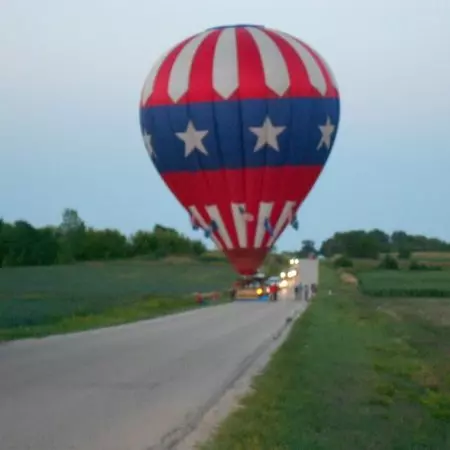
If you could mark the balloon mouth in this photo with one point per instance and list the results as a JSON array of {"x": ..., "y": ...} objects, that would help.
[
  {"x": 221, "y": 27},
  {"x": 246, "y": 261}
]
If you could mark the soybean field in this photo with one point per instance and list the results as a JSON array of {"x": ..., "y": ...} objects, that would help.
[
  {"x": 403, "y": 283},
  {"x": 45, "y": 300}
]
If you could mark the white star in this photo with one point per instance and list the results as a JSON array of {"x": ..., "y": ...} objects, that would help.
[
  {"x": 192, "y": 139},
  {"x": 148, "y": 144},
  {"x": 327, "y": 130},
  {"x": 267, "y": 135}
]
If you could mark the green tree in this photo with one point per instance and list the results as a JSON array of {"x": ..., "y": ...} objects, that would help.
[
  {"x": 163, "y": 241},
  {"x": 404, "y": 253},
  {"x": 20, "y": 240},
  {"x": 104, "y": 244},
  {"x": 308, "y": 248},
  {"x": 72, "y": 232},
  {"x": 382, "y": 240},
  {"x": 3, "y": 247},
  {"x": 388, "y": 263},
  {"x": 46, "y": 247},
  {"x": 21, "y": 244},
  {"x": 355, "y": 244}
]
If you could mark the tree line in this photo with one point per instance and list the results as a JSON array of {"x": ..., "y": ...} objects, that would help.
[
  {"x": 22, "y": 244},
  {"x": 370, "y": 244}
]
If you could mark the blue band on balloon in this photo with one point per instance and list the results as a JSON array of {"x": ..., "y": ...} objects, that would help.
[{"x": 228, "y": 140}]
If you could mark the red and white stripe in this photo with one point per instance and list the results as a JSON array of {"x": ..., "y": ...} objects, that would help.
[
  {"x": 240, "y": 232},
  {"x": 238, "y": 63}
]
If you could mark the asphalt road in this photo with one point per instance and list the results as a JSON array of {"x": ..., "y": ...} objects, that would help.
[{"x": 133, "y": 387}]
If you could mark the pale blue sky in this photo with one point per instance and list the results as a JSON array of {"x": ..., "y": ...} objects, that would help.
[{"x": 70, "y": 80}]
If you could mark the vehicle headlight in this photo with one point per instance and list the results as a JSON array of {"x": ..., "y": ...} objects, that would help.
[{"x": 259, "y": 291}]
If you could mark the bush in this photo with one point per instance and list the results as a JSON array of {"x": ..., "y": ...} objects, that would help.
[
  {"x": 211, "y": 257},
  {"x": 414, "y": 265},
  {"x": 404, "y": 253},
  {"x": 343, "y": 261},
  {"x": 388, "y": 263}
]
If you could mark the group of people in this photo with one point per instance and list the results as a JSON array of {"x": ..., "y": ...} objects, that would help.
[{"x": 304, "y": 291}]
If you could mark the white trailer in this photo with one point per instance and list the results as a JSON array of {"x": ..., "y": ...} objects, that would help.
[{"x": 308, "y": 271}]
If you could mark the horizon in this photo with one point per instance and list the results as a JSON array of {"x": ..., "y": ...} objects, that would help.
[{"x": 69, "y": 122}]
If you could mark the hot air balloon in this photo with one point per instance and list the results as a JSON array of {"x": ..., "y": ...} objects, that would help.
[{"x": 239, "y": 121}]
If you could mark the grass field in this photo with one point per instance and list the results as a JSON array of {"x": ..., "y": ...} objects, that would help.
[
  {"x": 356, "y": 372},
  {"x": 438, "y": 257},
  {"x": 44, "y": 300},
  {"x": 395, "y": 283}
]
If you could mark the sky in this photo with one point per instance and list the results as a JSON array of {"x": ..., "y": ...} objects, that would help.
[{"x": 72, "y": 72}]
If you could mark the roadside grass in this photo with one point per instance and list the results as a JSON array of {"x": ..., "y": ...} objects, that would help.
[
  {"x": 37, "y": 301},
  {"x": 356, "y": 372}
]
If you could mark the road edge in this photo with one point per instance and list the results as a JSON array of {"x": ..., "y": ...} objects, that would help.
[{"x": 199, "y": 428}]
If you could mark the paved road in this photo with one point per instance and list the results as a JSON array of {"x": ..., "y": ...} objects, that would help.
[{"x": 132, "y": 387}]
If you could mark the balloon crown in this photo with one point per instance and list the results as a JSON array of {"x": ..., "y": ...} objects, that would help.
[{"x": 238, "y": 25}]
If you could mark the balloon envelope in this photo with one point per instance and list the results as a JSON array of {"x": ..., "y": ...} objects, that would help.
[{"x": 239, "y": 121}]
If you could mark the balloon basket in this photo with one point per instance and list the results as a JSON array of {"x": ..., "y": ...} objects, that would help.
[{"x": 264, "y": 298}]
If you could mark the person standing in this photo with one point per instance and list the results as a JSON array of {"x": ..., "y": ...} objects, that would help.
[
  {"x": 234, "y": 288},
  {"x": 274, "y": 292}
]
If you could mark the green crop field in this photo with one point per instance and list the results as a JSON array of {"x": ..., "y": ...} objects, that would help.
[
  {"x": 44, "y": 300},
  {"x": 403, "y": 283}
]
